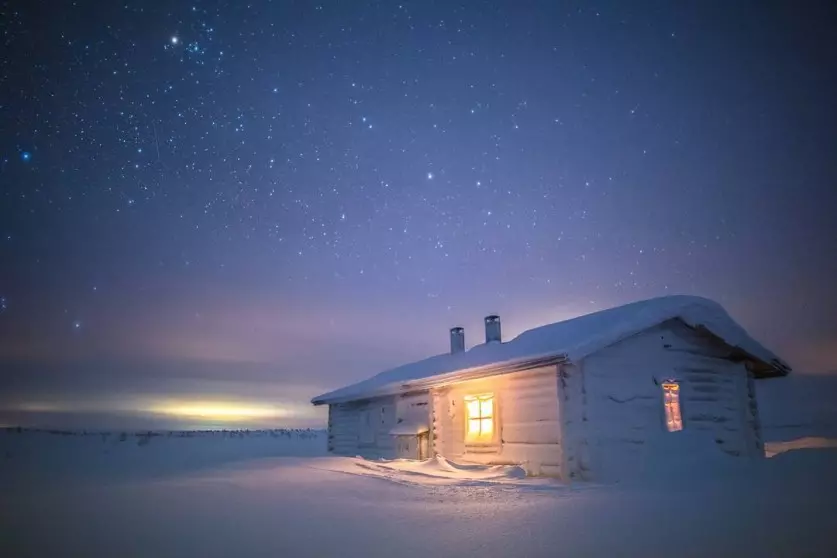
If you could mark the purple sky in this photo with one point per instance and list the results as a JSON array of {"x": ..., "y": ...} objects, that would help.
[{"x": 246, "y": 204}]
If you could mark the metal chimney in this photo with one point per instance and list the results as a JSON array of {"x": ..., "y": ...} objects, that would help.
[
  {"x": 492, "y": 329},
  {"x": 457, "y": 339}
]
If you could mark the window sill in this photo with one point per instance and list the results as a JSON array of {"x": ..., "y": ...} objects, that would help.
[{"x": 482, "y": 447}]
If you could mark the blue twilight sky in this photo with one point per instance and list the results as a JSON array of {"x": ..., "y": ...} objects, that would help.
[{"x": 212, "y": 211}]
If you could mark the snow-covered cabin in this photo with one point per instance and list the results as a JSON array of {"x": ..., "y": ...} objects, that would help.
[{"x": 579, "y": 399}]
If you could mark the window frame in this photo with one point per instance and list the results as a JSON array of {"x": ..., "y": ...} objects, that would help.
[{"x": 481, "y": 440}]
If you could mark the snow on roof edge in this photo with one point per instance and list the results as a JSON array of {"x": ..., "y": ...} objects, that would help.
[
  {"x": 348, "y": 393},
  {"x": 573, "y": 339}
]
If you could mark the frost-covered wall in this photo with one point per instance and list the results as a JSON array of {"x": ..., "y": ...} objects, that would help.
[
  {"x": 621, "y": 423},
  {"x": 527, "y": 420},
  {"x": 342, "y": 429},
  {"x": 362, "y": 428},
  {"x": 572, "y": 407}
]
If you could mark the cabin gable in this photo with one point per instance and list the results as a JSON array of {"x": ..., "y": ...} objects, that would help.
[{"x": 624, "y": 418}]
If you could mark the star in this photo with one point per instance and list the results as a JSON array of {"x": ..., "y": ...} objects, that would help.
[{"x": 26, "y": 156}]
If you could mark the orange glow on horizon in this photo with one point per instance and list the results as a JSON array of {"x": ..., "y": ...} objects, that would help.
[
  {"x": 220, "y": 410},
  {"x": 142, "y": 411}
]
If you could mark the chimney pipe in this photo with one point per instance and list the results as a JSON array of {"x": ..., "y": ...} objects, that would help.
[
  {"x": 492, "y": 329},
  {"x": 457, "y": 340}
]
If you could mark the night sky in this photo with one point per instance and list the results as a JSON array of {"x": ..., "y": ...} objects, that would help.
[{"x": 236, "y": 206}]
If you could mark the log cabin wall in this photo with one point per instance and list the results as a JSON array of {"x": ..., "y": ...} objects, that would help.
[
  {"x": 624, "y": 412},
  {"x": 527, "y": 422}
]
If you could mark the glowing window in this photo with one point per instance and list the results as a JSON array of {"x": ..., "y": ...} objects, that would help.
[
  {"x": 480, "y": 415},
  {"x": 671, "y": 402}
]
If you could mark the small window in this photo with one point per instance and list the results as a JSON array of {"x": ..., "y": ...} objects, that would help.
[
  {"x": 671, "y": 402},
  {"x": 480, "y": 416}
]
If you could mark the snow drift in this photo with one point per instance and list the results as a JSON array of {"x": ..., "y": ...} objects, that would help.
[{"x": 436, "y": 470}]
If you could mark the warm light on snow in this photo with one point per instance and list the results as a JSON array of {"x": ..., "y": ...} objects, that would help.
[
  {"x": 434, "y": 471},
  {"x": 480, "y": 410},
  {"x": 772, "y": 449}
]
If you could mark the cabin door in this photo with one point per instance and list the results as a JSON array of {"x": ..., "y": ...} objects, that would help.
[
  {"x": 423, "y": 446},
  {"x": 407, "y": 447}
]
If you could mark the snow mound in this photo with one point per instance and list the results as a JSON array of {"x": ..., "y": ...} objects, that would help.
[
  {"x": 439, "y": 466},
  {"x": 671, "y": 459},
  {"x": 436, "y": 470},
  {"x": 772, "y": 449}
]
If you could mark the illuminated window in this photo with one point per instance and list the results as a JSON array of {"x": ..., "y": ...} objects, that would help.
[
  {"x": 480, "y": 413},
  {"x": 671, "y": 401}
]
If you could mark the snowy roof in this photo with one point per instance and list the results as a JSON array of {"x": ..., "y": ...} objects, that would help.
[{"x": 570, "y": 340}]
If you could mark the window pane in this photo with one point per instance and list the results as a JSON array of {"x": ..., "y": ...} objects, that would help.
[
  {"x": 487, "y": 426},
  {"x": 474, "y": 427},
  {"x": 473, "y": 408},
  {"x": 486, "y": 407}
]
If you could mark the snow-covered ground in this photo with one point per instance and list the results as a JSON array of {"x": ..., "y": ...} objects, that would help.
[
  {"x": 60, "y": 455},
  {"x": 275, "y": 493}
]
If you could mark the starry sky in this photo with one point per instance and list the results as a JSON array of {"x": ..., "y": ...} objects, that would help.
[{"x": 211, "y": 211}]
